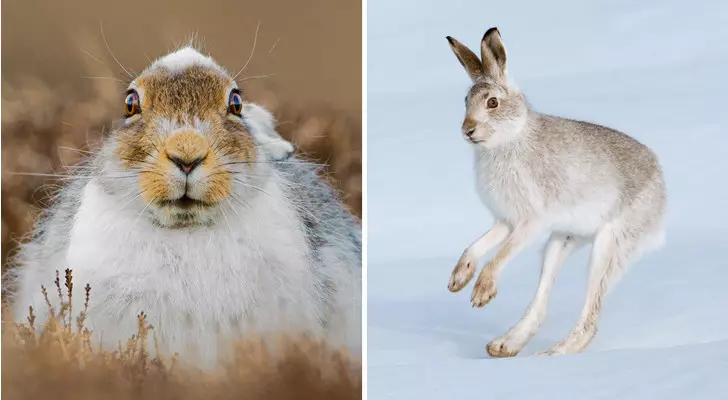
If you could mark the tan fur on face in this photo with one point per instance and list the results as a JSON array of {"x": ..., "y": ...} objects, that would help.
[
  {"x": 187, "y": 147},
  {"x": 197, "y": 96},
  {"x": 198, "y": 91},
  {"x": 154, "y": 183},
  {"x": 469, "y": 123},
  {"x": 219, "y": 184}
]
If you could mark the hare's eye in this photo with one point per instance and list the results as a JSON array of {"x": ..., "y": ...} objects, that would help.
[
  {"x": 235, "y": 104},
  {"x": 492, "y": 102},
  {"x": 131, "y": 104}
]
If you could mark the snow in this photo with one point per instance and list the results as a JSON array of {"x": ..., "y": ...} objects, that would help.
[{"x": 654, "y": 69}]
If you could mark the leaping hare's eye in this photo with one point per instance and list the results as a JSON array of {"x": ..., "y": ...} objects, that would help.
[
  {"x": 131, "y": 104},
  {"x": 492, "y": 102},
  {"x": 235, "y": 103}
]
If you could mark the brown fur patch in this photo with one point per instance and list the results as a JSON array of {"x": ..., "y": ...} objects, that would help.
[
  {"x": 501, "y": 256},
  {"x": 154, "y": 184},
  {"x": 219, "y": 183},
  {"x": 493, "y": 54},
  {"x": 467, "y": 59},
  {"x": 485, "y": 288},
  {"x": 197, "y": 93},
  {"x": 484, "y": 291},
  {"x": 469, "y": 123},
  {"x": 500, "y": 351},
  {"x": 133, "y": 151},
  {"x": 187, "y": 147},
  {"x": 461, "y": 275}
]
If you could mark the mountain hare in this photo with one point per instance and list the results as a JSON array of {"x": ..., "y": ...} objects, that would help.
[
  {"x": 188, "y": 214},
  {"x": 579, "y": 181}
]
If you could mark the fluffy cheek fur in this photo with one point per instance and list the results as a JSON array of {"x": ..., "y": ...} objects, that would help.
[
  {"x": 494, "y": 127},
  {"x": 226, "y": 157}
]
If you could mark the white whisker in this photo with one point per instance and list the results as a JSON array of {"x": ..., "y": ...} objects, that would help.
[
  {"x": 75, "y": 150},
  {"x": 222, "y": 210},
  {"x": 256, "y": 77},
  {"x": 105, "y": 78},
  {"x": 92, "y": 56},
  {"x": 103, "y": 36},
  {"x": 274, "y": 45},
  {"x": 255, "y": 40}
]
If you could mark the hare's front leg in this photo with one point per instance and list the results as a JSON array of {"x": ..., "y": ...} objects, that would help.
[
  {"x": 465, "y": 269},
  {"x": 486, "y": 286}
]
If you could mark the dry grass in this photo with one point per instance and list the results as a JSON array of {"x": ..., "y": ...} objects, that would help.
[{"x": 60, "y": 361}]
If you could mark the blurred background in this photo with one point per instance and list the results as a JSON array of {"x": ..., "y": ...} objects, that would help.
[{"x": 62, "y": 88}]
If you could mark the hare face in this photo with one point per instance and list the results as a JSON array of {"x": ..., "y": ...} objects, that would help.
[
  {"x": 495, "y": 112},
  {"x": 185, "y": 142}
]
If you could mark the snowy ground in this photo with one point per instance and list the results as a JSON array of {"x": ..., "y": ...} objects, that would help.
[{"x": 653, "y": 69}]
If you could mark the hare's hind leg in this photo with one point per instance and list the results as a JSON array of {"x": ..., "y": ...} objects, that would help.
[
  {"x": 465, "y": 269},
  {"x": 557, "y": 250},
  {"x": 609, "y": 257}
]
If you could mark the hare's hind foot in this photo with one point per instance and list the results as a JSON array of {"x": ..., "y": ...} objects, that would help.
[
  {"x": 573, "y": 344},
  {"x": 503, "y": 347}
]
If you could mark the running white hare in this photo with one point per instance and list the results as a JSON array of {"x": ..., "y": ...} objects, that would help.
[
  {"x": 189, "y": 214},
  {"x": 538, "y": 173}
]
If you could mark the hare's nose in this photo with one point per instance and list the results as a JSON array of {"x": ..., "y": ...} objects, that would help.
[
  {"x": 469, "y": 132},
  {"x": 187, "y": 166},
  {"x": 187, "y": 150}
]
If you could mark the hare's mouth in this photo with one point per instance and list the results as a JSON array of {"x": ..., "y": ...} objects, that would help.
[{"x": 185, "y": 202}]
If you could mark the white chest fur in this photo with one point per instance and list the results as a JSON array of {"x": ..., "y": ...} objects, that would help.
[
  {"x": 505, "y": 186},
  {"x": 250, "y": 273},
  {"x": 508, "y": 187}
]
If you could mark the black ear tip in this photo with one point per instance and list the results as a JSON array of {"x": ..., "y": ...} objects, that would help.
[
  {"x": 449, "y": 39},
  {"x": 491, "y": 31}
]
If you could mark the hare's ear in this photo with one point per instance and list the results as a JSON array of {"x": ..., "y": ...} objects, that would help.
[
  {"x": 493, "y": 54},
  {"x": 467, "y": 58}
]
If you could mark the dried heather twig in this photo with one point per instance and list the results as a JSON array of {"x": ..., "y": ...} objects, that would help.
[{"x": 69, "y": 289}]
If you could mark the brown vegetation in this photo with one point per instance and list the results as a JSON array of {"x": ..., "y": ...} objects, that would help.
[{"x": 60, "y": 360}]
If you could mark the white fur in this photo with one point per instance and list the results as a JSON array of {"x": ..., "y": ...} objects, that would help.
[
  {"x": 558, "y": 248},
  {"x": 262, "y": 123},
  {"x": 191, "y": 293},
  {"x": 515, "y": 196},
  {"x": 184, "y": 58}
]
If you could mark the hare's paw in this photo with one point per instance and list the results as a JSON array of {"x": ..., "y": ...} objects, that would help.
[
  {"x": 503, "y": 347},
  {"x": 484, "y": 291},
  {"x": 462, "y": 274}
]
